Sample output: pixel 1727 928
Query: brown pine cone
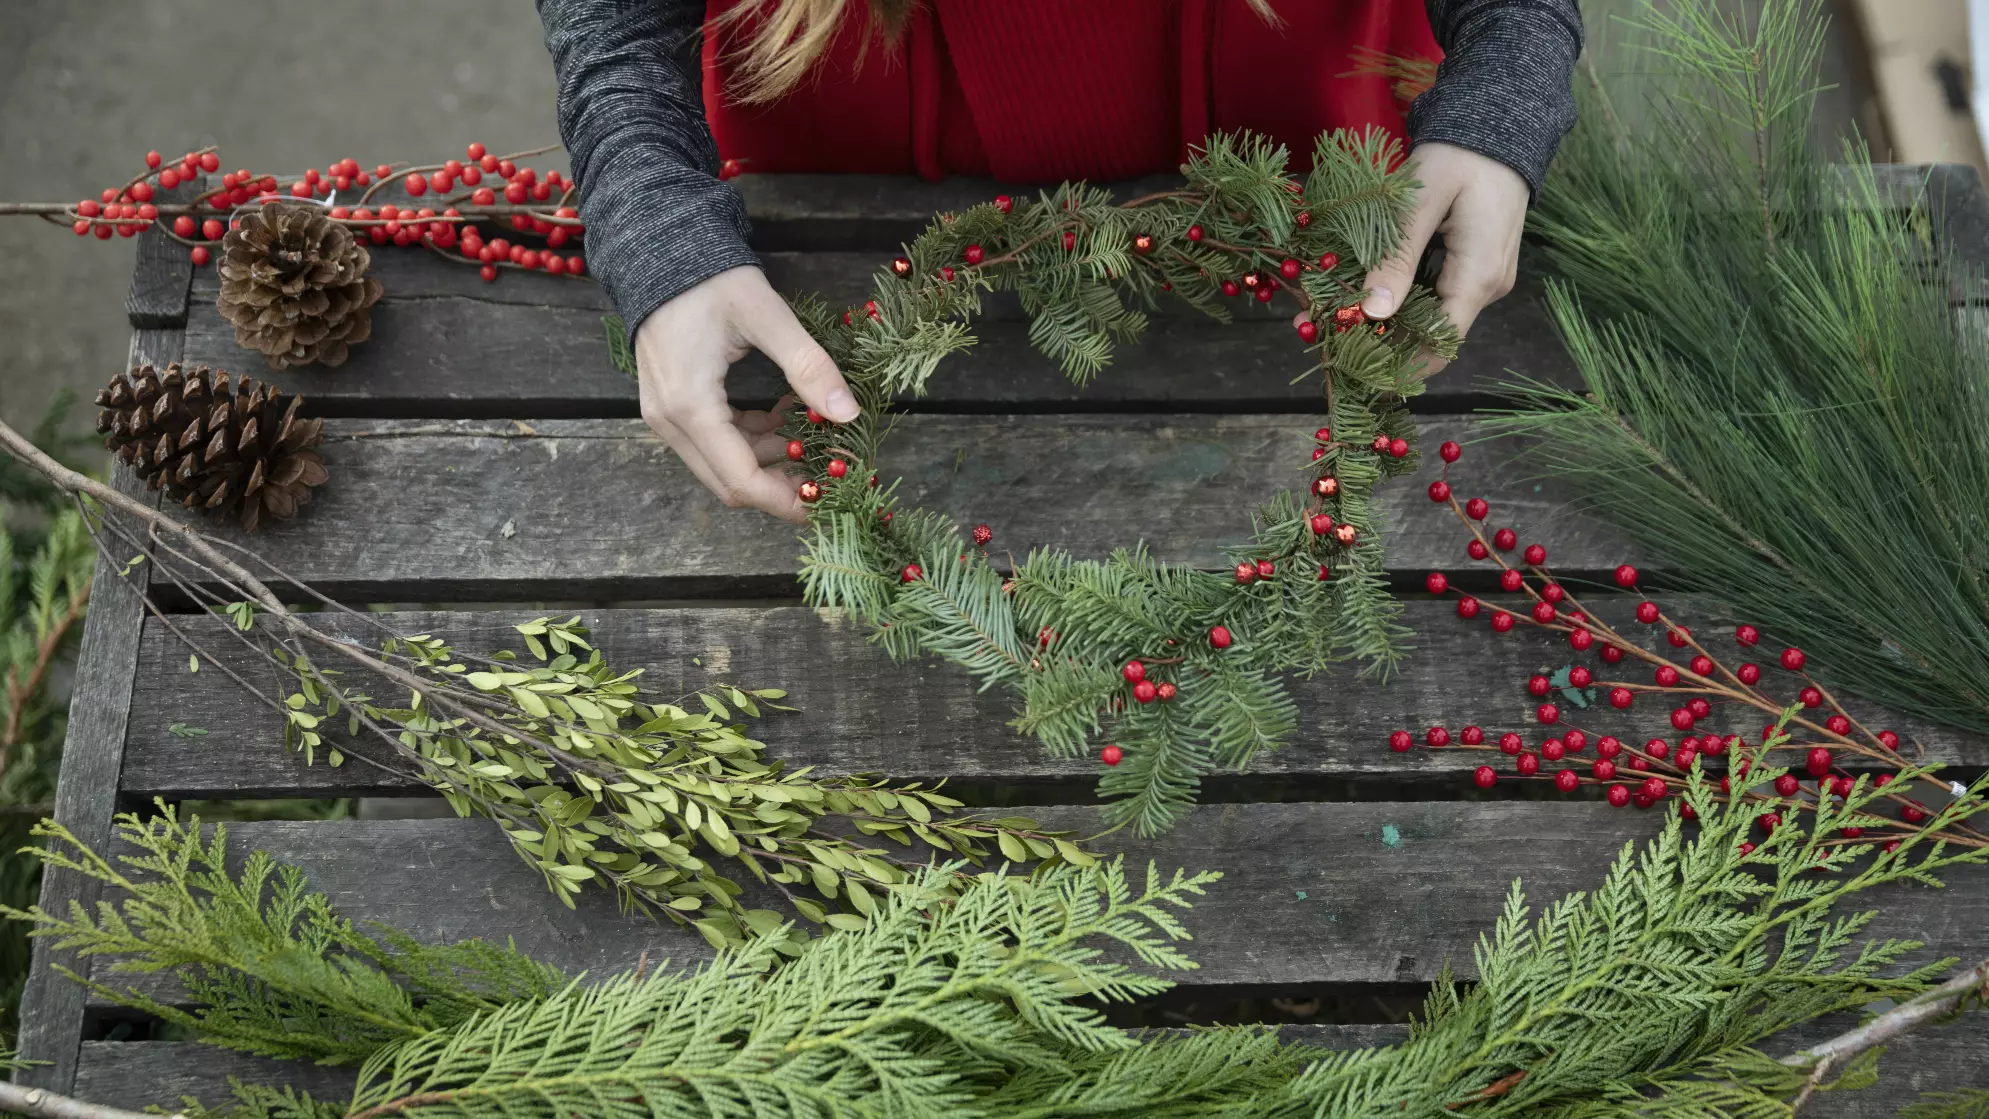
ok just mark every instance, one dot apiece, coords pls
pixel 209 443
pixel 294 283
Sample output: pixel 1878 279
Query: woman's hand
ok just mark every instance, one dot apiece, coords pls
pixel 1480 205
pixel 682 351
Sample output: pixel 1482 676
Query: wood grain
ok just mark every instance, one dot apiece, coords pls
pixel 158 296
pixel 530 345
pixel 861 713
pixel 428 511
pixel 86 789
pixel 1313 894
pixel 141 1074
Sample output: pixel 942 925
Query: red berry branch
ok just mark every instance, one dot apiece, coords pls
pixel 1699 688
pixel 533 205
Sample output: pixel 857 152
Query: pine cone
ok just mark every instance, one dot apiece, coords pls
pixel 294 283
pixel 207 443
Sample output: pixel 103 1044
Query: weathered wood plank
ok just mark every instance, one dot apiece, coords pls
pixel 426 511
pixel 1313 893
pixel 159 281
pixel 140 1074
pixel 447 344
pixel 86 789
pixel 921 722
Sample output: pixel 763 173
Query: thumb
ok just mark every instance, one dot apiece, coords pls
pixel 774 331
pixel 1388 283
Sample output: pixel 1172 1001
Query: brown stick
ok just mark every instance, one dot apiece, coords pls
pixel 1908 1016
pixel 39 1104
pixel 19 690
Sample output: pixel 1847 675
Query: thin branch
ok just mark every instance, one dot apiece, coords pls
pixel 1930 1006
pixel 38 1103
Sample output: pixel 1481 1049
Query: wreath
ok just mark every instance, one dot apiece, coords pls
pixel 1174 670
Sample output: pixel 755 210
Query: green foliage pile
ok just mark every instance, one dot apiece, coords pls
pixel 1058 632
pixel 1781 404
pixel 594 782
pixel 1651 996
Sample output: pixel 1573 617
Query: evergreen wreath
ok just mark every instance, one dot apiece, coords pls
pixel 1177 666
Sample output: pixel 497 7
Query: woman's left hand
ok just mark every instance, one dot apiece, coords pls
pixel 1480 205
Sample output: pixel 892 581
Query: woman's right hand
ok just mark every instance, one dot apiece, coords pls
pixel 682 351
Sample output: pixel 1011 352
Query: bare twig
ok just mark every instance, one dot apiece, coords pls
pixel 1908 1016
pixel 40 1104
pixel 20 688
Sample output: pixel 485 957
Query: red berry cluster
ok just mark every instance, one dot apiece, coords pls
pixel 534 205
pixel 1698 689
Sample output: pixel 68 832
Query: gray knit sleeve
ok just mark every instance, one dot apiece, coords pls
pixel 631 112
pixel 1503 89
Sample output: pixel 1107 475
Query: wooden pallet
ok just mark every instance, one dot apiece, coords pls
pixel 485 460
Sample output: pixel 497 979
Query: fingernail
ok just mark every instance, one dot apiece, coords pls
pixel 1379 304
pixel 842 406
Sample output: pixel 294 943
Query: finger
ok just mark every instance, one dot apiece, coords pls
pixel 1388 282
pixel 768 447
pixel 757 423
pixel 1478 270
pixel 775 332
pixel 740 479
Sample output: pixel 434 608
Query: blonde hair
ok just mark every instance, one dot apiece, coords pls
pixel 792 35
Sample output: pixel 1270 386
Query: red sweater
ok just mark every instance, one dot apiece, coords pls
pixel 1043 90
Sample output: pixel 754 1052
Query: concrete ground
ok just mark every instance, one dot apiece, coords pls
pixel 89 86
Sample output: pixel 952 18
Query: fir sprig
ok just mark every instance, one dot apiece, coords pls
pixel 1058 629
pixel 1780 404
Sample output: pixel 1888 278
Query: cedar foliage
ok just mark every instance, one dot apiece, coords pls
pixel 1779 403
pixel 1652 995
pixel 1057 631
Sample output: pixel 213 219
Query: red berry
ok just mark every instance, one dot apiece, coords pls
pixel 1749 674
pixel 1553 749
pixel 1070 242
pixel 1655 788
pixel 210 162
pixel 1484 777
pixel 152 159
pixel 981 535
pixel 1678 636
pixel 1004 203
pixel 1145 692
pixel 488 272
pixel 483 196
pixel 1439 491
pixel 1618 796
pixel 212 230
pixel 1111 755
pixel 199 256
pixel 1702 665
pixel 974 254
pixel 1576 740
pixel 1246 572
pixel 1308 332
pixel 1604 770
pixel 1621 697
pixel 1793 658
pixel 1609 746
pixel 1511 744
pixel 1535 554
pixel 1329 261
pixel 1687 754
pixel 1437 737
pixel 1476 549
pixel 141 191
pixel 729 169
pixel 1552 592
pixel 838 468
pixel 1472 736
pixel 1539 686
pixel 1888 739
pixel 1435 582
pixel 1401 741
pixel 1543 612
pixel 1219 637
pixel 1527 764
pixel 1289 268
pixel 1321 524
pixel 1882 780
pixel 1501 622
pixel 1819 761
pixel 1266 569
pixel 1787 785
pixel 1510 579
pixel 912 573
pixel 1547 713
pixel 1837 724
pixel 1700 707
pixel 1133 671
pixel 1580 639
pixel 1505 539
pixel 1851 833
pixel 1166 691
pixel 183 225
pixel 811 492
pixel 1229 287
pixel 1810 697
pixel 1477 508
pixel 1681 718
pixel 1397 448
pixel 795 450
pixel 1667 676
pixel 1913 814
pixel 1657 748
pixel 1647 612
pixel 1467 607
